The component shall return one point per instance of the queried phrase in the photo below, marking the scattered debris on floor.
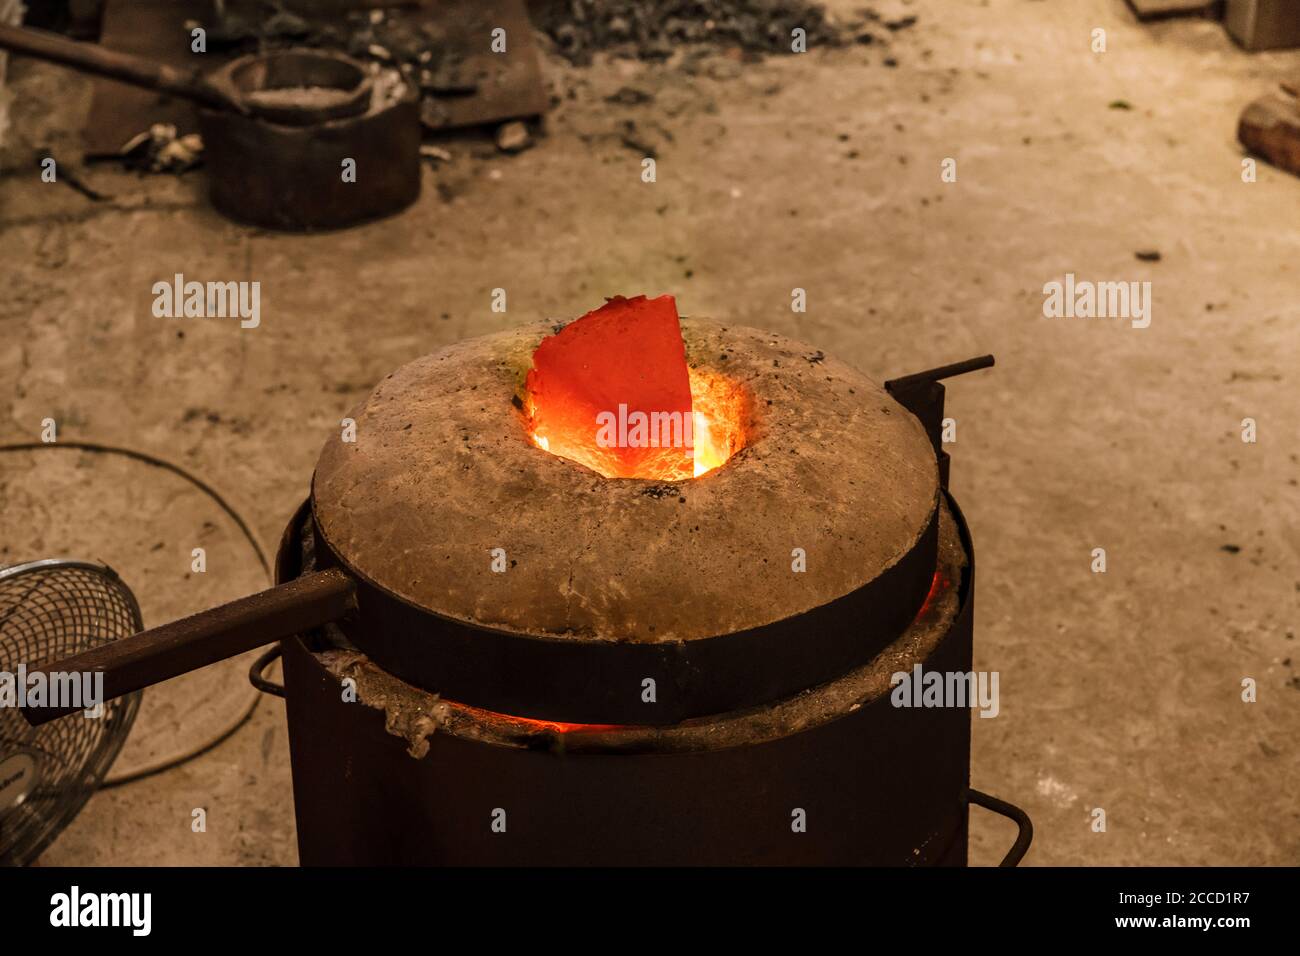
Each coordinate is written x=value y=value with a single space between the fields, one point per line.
x=161 y=150
x=655 y=29
x=645 y=138
x=70 y=176
x=630 y=96
x=437 y=49
x=681 y=40
x=1270 y=128
x=513 y=137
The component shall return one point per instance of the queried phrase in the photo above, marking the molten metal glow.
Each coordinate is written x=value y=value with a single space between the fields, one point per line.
x=718 y=411
x=718 y=415
x=613 y=391
x=529 y=725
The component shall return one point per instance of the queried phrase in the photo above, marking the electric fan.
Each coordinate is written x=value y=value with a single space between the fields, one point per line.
x=48 y=610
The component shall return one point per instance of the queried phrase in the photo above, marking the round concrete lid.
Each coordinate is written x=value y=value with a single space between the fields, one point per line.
x=442 y=473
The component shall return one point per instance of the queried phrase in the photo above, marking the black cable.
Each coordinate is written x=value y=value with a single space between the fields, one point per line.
x=166 y=465
x=168 y=763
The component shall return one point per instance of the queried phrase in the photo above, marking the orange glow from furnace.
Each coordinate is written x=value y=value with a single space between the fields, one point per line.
x=717 y=431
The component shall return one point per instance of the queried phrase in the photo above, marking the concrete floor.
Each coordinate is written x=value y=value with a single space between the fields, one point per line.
x=1120 y=691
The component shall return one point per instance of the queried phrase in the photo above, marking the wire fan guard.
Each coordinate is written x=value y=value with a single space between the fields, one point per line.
x=50 y=610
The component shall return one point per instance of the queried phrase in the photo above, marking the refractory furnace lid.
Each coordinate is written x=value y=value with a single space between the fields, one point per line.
x=609 y=581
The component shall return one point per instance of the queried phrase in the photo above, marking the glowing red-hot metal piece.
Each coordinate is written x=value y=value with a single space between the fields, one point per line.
x=612 y=391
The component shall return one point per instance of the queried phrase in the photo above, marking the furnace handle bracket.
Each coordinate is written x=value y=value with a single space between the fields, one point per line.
x=922 y=394
x=1024 y=837
x=257 y=673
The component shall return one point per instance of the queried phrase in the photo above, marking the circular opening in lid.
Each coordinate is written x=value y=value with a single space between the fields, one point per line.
x=656 y=445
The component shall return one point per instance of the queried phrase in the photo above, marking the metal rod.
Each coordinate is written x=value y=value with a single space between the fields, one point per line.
x=943 y=371
x=207 y=637
x=90 y=58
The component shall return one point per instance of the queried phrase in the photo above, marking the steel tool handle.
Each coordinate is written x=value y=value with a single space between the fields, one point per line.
x=207 y=637
x=99 y=60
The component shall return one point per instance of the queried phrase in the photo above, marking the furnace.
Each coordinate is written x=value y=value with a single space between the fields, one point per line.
x=496 y=653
